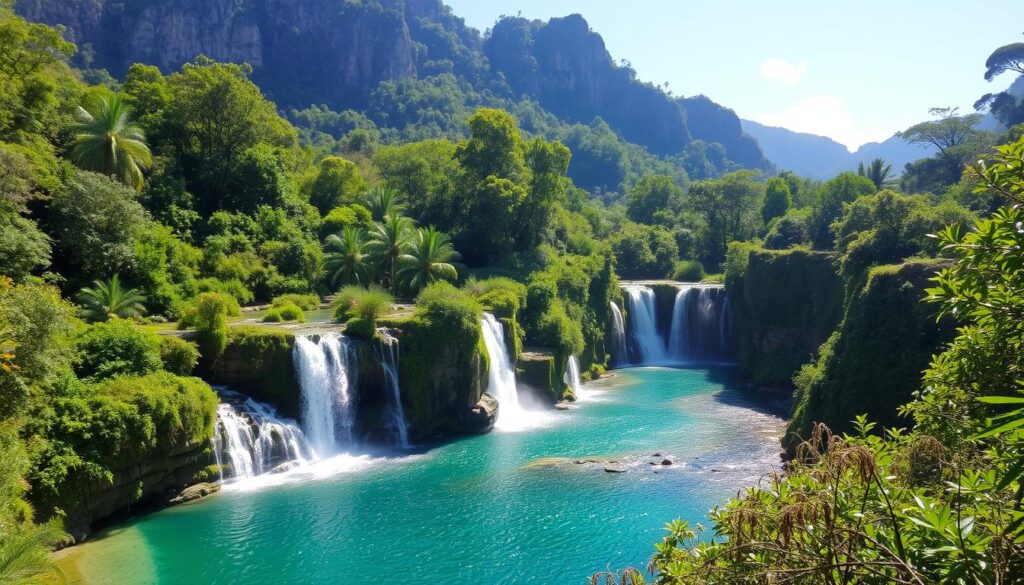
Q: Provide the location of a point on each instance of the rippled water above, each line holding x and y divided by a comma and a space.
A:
499, 508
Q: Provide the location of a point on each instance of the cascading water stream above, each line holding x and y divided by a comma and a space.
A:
572, 377
328, 404
679, 333
620, 355
250, 439
643, 324
387, 354
501, 377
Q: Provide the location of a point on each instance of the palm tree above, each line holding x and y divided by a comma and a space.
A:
106, 142
429, 260
389, 244
347, 261
25, 554
107, 299
383, 202
878, 172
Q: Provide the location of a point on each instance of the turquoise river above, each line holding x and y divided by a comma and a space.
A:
506, 507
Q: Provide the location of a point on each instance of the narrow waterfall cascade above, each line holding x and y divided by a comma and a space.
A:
643, 324
326, 378
620, 355
572, 376
250, 439
679, 334
501, 377
387, 355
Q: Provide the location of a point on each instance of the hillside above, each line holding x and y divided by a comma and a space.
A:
412, 66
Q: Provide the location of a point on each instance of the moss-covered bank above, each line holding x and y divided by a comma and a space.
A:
785, 305
257, 361
873, 362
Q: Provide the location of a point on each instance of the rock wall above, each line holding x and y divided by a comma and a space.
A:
873, 362
785, 305
258, 362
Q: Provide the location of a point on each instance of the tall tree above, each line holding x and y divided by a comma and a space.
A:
108, 143
650, 195
347, 260
877, 171
945, 133
382, 202
1006, 107
389, 246
429, 260
777, 199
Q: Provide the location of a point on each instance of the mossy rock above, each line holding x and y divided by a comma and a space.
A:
785, 305
258, 362
538, 373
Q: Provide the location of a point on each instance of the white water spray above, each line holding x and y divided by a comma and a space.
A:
620, 356
387, 354
250, 439
679, 334
328, 404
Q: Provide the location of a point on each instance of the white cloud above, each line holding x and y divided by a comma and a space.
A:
783, 72
823, 115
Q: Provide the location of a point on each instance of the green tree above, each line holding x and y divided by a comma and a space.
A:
429, 259
1006, 107
877, 171
104, 300
828, 206
728, 208
337, 182
949, 131
116, 348
383, 202
347, 260
389, 245
651, 195
777, 200
106, 142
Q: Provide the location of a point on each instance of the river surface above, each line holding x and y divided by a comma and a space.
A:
506, 507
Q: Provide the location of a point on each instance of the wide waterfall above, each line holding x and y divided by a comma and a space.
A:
501, 377
643, 323
387, 355
326, 377
250, 439
701, 324
620, 356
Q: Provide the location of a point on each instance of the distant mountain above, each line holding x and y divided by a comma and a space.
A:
387, 58
819, 157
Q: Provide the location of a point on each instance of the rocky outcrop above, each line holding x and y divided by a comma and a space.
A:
539, 377
258, 362
316, 51
711, 122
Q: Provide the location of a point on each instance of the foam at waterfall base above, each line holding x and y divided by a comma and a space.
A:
321, 470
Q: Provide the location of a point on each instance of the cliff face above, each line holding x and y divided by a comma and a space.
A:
316, 51
873, 362
785, 305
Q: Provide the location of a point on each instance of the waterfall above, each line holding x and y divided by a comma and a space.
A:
387, 355
643, 324
328, 403
679, 334
620, 356
572, 375
501, 377
250, 439
725, 328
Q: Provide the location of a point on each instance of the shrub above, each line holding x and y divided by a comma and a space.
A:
209, 317
449, 308
308, 302
116, 348
178, 356
232, 287
286, 312
688, 271
560, 333
339, 218
502, 302
188, 313
368, 303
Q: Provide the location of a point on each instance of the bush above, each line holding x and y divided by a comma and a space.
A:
354, 302
286, 312
209, 317
232, 287
787, 231
345, 216
501, 302
116, 348
560, 333
688, 271
309, 302
178, 356
449, 308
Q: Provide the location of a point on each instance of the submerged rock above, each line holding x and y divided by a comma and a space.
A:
614, 469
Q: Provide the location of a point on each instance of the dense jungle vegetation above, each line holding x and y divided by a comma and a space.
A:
171, 199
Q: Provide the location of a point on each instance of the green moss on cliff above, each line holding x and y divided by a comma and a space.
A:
873, 362
257, 361
785, 304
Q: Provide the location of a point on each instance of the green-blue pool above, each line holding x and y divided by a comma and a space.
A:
497, 508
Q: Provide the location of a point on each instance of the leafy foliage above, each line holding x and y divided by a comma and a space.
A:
106, 142
109, 299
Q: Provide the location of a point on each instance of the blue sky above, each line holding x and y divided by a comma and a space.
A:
854, 71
